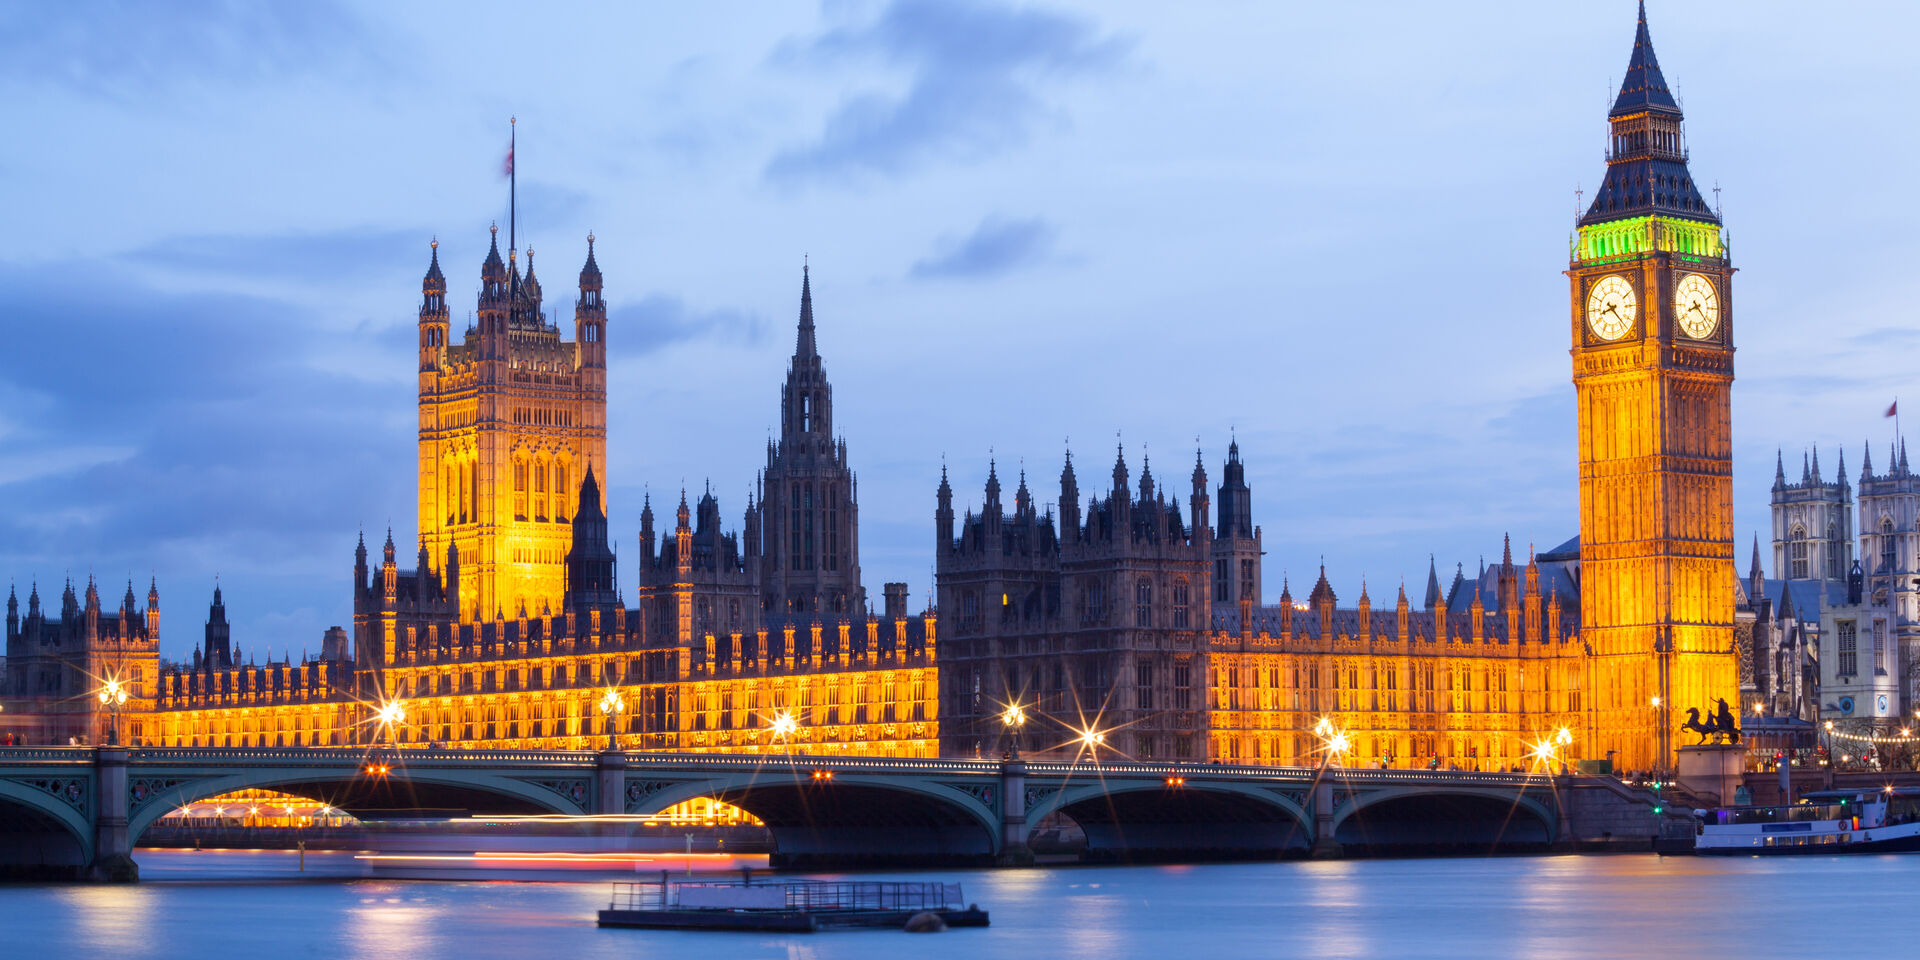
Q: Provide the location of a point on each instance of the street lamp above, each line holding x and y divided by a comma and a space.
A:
1337, 745
611, 705
1013, 718
783, 727
1090, 741
1543, 754
389, 715
112, 696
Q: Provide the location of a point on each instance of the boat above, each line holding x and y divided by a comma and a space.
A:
1886, 820
786, 906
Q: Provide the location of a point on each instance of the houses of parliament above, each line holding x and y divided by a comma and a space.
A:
1131, 620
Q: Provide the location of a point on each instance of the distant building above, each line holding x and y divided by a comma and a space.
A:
56, 666
1101, 626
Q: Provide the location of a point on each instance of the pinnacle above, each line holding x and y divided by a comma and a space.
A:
1643, 87
804, 343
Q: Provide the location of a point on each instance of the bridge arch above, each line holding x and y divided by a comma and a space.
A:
851, 819
42, 834
1444, 819
1200, 818
427, 790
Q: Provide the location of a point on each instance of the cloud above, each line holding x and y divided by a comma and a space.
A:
302, 256
661, 320
974, 72
996, 246
188, 434
123, 48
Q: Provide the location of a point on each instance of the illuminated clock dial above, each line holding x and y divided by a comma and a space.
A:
1696, 305
1610, 308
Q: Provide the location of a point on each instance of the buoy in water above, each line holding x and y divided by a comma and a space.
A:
925, 922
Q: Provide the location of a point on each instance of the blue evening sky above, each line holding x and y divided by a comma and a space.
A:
1335, 229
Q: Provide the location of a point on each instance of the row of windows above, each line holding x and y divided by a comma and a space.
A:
542, 417
804, 520
541, 490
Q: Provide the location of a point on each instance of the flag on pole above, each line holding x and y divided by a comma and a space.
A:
507, 171
1892, 411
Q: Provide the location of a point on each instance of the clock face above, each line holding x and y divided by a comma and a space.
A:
1696, 305
1610, 308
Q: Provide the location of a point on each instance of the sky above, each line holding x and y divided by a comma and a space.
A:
1334, 232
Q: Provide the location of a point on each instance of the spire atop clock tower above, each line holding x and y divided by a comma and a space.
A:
1647, 153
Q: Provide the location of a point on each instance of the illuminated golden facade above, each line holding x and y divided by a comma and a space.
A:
1478, 689
509, 630
1652, 353
510, 419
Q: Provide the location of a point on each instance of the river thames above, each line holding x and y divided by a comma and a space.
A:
240, 904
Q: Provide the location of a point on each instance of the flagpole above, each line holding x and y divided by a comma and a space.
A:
513, 212
513, 182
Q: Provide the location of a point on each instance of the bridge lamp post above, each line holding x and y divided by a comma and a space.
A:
1337, 745
391, 714
1563, 738
611, 705
112, 696
1091, 740
1012, 720
783, 727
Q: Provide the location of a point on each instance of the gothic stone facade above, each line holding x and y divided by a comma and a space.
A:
1651, 318
509, 420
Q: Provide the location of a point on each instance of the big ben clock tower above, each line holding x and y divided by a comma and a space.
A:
1652, 324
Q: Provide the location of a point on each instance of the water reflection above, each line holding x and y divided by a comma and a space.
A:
208, 904
1335, 909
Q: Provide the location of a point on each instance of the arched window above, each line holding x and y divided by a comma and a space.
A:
519, 488
1834, 570
539, 489
562, 493
1143, 602
806, 511
1886, 543
1797, 553
1180, 602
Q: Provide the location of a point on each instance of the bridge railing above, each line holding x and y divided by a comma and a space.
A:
767, 762
67, 754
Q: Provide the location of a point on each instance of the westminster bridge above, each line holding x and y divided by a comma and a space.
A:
80, 811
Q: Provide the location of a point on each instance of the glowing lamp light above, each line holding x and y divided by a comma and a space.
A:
1654, 701
1091, 737
1339, 743
1543, 752
391, 713
1563, 736
1323, 727
113, 693
784, 725
1013, 715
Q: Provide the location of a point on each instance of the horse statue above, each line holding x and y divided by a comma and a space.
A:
1724, 723
1719, 724
1693, 723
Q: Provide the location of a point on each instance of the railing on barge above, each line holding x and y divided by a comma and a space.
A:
805, 896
